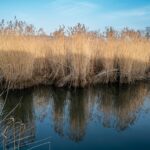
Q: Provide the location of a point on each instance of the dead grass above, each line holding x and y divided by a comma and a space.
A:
78, 58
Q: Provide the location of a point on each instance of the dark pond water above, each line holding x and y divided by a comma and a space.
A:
99, 118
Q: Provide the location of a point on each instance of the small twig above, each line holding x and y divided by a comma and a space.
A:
11, 140
11, 111
21, 139
2, 93
36, 142
5, 99
40, 145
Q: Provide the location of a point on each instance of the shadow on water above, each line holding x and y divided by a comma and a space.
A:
70, 111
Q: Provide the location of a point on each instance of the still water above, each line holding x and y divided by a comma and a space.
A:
96, 118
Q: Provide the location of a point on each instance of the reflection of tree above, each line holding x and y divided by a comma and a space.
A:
120, 105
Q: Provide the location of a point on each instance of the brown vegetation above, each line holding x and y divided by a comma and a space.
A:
74, 57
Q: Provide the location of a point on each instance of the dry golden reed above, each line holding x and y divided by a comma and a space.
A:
77, 57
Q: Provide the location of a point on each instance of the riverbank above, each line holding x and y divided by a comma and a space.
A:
78, 59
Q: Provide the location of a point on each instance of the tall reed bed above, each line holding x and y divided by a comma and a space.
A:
75, 56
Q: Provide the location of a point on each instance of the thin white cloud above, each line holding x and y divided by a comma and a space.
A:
138, 12
124, 14
71, 8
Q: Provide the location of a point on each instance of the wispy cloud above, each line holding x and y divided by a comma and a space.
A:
71, 8
138, 12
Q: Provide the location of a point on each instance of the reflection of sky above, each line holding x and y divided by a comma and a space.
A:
96, 14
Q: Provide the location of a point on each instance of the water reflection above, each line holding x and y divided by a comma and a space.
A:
70, 111
18, 128
120, 106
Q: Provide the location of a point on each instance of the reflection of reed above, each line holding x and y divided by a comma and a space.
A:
78, 115
71, 110
59, 101
120, 106
41, 101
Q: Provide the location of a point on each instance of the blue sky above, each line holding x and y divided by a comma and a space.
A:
95, 14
